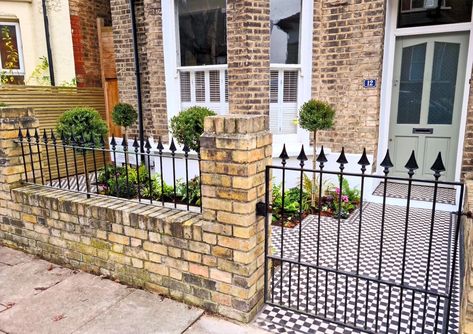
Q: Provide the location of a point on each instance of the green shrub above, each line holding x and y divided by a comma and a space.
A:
124, 115
194, 191
188, 126
82, 122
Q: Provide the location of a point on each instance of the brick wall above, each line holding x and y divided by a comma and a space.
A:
214, 260
348, 47
149, 27
467, 166
248, 44
467, 283
85, 43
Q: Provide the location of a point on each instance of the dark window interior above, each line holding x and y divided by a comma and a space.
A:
202, 32
414, 13
285, 31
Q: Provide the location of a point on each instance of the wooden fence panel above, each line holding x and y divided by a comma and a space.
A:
48, 104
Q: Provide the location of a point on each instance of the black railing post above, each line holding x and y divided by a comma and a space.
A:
54, 140
36, 136
45, 141
150, 179
186, 161
66, 164
28, 140
302, 159
160, 152
173, 149
20, 139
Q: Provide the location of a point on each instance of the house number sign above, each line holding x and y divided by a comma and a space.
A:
369, 83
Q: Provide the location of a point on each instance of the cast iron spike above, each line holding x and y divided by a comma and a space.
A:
124, 143
28, 135
186, 149
148, 145
284, 156
20, 134
113, 142
364, 159
412, 163
342, 159
36, 135
102, 142
302, 156
438, 165
172, 147
53, 137
322, 158
45, 136
136, 145
387, 163
160, 145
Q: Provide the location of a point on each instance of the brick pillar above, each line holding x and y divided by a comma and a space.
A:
11, 162
235, 150
248, 42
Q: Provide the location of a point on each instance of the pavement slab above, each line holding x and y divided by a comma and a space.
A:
26, 279
212, 325
10, 257
145, 313
69, 305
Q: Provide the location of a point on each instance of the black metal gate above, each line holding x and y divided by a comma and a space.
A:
368, 265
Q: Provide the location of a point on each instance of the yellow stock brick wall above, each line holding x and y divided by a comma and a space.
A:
214, 260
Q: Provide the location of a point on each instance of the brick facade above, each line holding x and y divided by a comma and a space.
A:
149, 28
85, 39
248, 42
348, 47
213, 260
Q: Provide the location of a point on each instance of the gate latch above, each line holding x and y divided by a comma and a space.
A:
261, 209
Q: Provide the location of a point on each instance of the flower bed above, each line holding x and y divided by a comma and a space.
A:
128, 182
332, 203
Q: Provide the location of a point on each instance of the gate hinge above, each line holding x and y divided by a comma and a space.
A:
261, 209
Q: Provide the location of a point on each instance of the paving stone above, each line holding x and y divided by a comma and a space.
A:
28, 279
143, 312
11, 257
64, 308
213, 325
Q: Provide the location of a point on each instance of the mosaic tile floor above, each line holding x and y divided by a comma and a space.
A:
418, 192
362, 306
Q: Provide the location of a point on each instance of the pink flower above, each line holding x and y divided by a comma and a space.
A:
337, 190
345, 198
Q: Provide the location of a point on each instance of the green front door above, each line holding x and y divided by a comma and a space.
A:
429, 79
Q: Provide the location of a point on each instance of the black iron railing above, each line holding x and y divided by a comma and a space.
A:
98, 167
379, 266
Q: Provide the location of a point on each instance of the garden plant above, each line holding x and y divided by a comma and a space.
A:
316, 115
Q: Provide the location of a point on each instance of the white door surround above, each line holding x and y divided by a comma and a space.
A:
391, 33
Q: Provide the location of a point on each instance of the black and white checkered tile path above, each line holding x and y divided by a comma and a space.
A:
72, 182
422, 193
375, 305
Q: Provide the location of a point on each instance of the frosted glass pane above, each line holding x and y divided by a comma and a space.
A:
411, 84
444, 80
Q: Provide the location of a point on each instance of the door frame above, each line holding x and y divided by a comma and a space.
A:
391, 33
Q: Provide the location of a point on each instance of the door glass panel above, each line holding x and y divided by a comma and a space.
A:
444, 79
411, 84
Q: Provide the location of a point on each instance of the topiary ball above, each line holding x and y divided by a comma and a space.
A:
124, 114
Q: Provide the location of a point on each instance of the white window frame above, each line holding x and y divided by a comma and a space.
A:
21, 70
443, 6
172, 67
391, 34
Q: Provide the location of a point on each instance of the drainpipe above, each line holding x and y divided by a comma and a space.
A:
48, 44
137, 77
